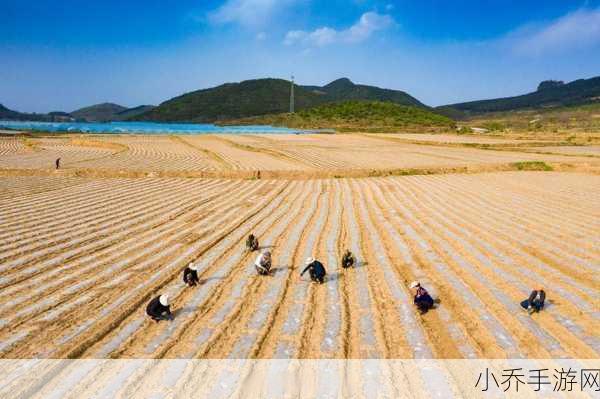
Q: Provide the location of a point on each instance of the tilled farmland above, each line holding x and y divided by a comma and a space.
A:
281, 156
80, 258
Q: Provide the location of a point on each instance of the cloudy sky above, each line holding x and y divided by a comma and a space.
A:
61, 55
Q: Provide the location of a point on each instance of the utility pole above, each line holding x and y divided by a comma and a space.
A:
292, 96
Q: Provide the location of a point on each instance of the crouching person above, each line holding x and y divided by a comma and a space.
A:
190, 275
159, 308
315, 269
535, 302
263, 263
251, 243
422, 299
347, 259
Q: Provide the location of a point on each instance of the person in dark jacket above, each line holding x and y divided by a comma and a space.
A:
57, 163
315, 269
159, 309
535, 302
190, 275
422, 299
251, 243
347, 259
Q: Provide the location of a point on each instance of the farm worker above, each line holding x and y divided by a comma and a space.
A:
535, 302
159, 309
190, 275
57, 163
315, 269
263, 263
422, 299
251, 243
347, 259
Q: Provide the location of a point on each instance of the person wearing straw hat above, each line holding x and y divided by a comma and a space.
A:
159, 308
422, 299
315, 269
190, 275
262, 264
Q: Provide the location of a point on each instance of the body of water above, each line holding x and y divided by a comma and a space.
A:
141, 127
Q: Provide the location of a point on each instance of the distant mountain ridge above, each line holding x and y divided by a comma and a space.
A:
104, 112
262, 97
550, 93
56, 116
344, 89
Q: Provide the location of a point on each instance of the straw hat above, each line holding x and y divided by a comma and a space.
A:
164, 299
414, 284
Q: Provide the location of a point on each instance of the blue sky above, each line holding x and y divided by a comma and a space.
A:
64, 55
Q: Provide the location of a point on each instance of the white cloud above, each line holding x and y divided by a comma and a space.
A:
575, 30
368, 23
250, 13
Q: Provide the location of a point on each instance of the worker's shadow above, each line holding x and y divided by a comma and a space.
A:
360, 263
278, 269
206, 280
334, 276
183, 311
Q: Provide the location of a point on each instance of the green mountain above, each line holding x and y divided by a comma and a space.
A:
10, 115
262, 97
99, 112
232, 100
133, 112
549, 94
344, 89
354, 115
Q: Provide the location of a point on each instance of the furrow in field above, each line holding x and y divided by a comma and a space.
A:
137, 294
521, 217
361, 319
288, 304
95, 270
440, 271
418, 346
498, 301
514, 273
450, 339
64, 301
153, 228
520, 203
221, 268
112, 214
256, 327
533, 250
300, 307
69, 197
46, 219
214, 327
107, 234
329, 343
267, 317
117, 339
18, 188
